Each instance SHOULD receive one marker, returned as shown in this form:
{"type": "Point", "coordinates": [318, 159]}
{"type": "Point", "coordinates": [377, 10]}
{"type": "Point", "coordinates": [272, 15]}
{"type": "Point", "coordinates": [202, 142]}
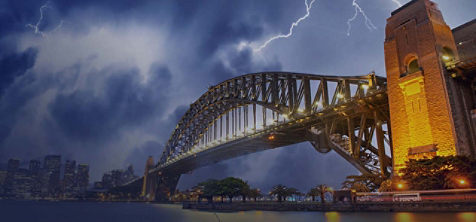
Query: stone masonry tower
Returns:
{"type": "Point", "coordinates": [417, 44]}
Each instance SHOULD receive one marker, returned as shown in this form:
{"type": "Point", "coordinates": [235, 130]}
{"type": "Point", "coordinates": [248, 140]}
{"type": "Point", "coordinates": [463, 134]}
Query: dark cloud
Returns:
{"type": "Point", "coordinates": [15, 65]}
{"type": "Point", "coordinates": [125, 102]}
{"type": "Point", "coordinates": [100, 90]}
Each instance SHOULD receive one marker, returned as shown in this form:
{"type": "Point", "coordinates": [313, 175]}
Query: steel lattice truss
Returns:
{"type": "Point", "coordinates": [345, 114]}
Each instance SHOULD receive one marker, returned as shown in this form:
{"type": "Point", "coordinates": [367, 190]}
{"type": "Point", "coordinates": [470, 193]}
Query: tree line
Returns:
{"type": "Point", "coordinates": [439, 172]}
{"type": "Point", "coordinates": [450, 172]}
{"type": "Point", "coordinates": [232, 187]}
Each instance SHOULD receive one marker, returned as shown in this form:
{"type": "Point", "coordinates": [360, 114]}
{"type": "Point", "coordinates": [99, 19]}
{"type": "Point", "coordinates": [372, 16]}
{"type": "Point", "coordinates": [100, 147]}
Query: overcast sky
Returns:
{"type": "Point", "coordinates": [105, 82]}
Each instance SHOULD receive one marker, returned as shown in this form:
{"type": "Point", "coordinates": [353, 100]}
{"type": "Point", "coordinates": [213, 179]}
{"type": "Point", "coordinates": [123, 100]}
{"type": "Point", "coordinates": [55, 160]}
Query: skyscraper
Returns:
{"type": "Point", "coordinates": [34, 170]}
{"type": "Point", "coordinates": [107, 181]}
{"type": "Point", "coordinates": [35, 166]}
{"type": "Point", "coordinates": [69, 179]}
{"type": "Point", "coordinates": [52, 165]}
{"type": "Point", "coordinates": [82, 178]}
{"type": "Point", "coordinates": [12, 168]}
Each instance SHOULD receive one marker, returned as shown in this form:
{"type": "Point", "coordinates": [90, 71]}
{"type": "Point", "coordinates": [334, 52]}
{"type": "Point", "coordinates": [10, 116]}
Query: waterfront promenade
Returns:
{"type": "Point", "coordinates": [454, 206]}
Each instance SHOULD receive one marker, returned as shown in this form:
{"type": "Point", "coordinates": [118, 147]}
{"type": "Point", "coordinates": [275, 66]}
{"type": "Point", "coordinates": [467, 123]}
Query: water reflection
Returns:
{"type": "Point", "coordinates": [466, 217]}
{"type": "Point", "coordinates": [127, 212]}
{"type": "Point", "coordinates": [404, 217]}
{"type": "Point", "coordinates": [332, 217]}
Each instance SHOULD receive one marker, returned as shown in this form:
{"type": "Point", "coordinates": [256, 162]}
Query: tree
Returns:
{"type": "Point", "coordinates": [232, 187]}
{"type": "Point", "coordinates": [254, 193]}
{"type": "Point", "coordinates": [210, 188]}
{"type": "Point", "coordinates": [313, 193]}
{"type": "Point", "coordinates": [440, 173]}
{"type": "Point", "coordinates": [320, 191]}
{"type": "Point", "coordinates": [282, 192]}
{"type": "Point", "coordinates": [370, 181]}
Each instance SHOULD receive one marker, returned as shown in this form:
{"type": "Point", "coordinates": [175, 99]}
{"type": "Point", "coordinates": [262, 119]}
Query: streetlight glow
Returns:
{"type": "Point", "coordinates": [400, 185]}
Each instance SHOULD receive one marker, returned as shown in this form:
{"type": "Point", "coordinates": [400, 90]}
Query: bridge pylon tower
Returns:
{"type": "Point", "coordinates": [425, 111]}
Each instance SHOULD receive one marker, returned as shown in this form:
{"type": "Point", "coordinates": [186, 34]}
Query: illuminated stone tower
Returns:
{"type": "Point", "coordinates": [422, 108]}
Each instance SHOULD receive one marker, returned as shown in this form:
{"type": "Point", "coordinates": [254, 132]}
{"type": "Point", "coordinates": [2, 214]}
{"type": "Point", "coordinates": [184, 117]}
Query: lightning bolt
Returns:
{"type": "Point", "coordinates": [36, 27]}
{"type": "Point", "coordinates": [358, 10]}
{"type": "Point", "coordinates": [290, 33]}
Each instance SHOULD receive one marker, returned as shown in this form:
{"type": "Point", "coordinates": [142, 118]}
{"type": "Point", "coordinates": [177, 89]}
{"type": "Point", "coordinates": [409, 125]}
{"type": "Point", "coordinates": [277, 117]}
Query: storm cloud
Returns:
{"type": "Point", "coordinates": [108, 81]}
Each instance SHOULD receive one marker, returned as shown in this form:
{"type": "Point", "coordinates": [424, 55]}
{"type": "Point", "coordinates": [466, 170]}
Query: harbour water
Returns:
{"type": "Point", "coordinates": [32, 211]}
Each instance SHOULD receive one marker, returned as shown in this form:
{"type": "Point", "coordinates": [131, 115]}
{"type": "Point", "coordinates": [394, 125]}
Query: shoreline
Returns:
{"type": "Point", "coordinates": [453, 206]}
{"type": "Point", "coordinates": [340, 207]}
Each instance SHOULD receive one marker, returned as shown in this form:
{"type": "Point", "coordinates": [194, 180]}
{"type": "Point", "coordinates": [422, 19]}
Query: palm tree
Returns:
{"type": "Point", "coordinates": [322, 190]}
{"type": "Point", "coordinates": [292, 191]}
{"type": "Point", "coordinates": [313, 193]}
{"type": "Point", "coordinates": [280, 191]}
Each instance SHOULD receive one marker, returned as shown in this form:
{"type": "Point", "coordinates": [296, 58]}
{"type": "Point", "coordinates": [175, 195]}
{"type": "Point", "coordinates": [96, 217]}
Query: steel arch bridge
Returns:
{"type": "Point", "coordinates": [255, 112]}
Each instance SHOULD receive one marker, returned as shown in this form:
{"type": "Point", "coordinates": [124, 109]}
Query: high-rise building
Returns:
{"type": "Point", "coordinates": [35, 168]}
{"type": "Point", "coordinates": [3, 176]}
{"type": "Point", "coordinates": [107, 182]}
{"type": "Point", "coordinates": [52, 165]}
{"type": "Point", "coordinates": [22, 184]}
{"type": "Point", "coordinates": [69, 178]}
{"type": "Point", "coordinates": [128, 175]}
{"type": "Point", "coordinates": [12, 168]}
{"type": "Point", "coordinates": [83, 177]}
{"type": "Point", "coordinates": [117, 177]}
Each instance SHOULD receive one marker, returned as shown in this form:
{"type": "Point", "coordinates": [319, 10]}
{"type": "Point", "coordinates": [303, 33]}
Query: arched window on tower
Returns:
{"type": "Point", "coordinates": [413, 66]}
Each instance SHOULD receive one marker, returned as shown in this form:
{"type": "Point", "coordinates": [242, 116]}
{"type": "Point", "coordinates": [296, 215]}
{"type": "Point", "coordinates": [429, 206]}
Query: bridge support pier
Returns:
{"type": "Point", "coordinates": [167, 183]}
{"type": "Point", "coordinates": [159, 186]}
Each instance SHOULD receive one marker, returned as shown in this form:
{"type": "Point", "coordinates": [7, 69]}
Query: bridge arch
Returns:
{"type": "Point", "coordinates": [341, 113]}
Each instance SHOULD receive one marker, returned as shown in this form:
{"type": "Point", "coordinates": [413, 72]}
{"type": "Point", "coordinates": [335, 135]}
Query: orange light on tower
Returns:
{"type": "Point", "coordinates": [271, 137]}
